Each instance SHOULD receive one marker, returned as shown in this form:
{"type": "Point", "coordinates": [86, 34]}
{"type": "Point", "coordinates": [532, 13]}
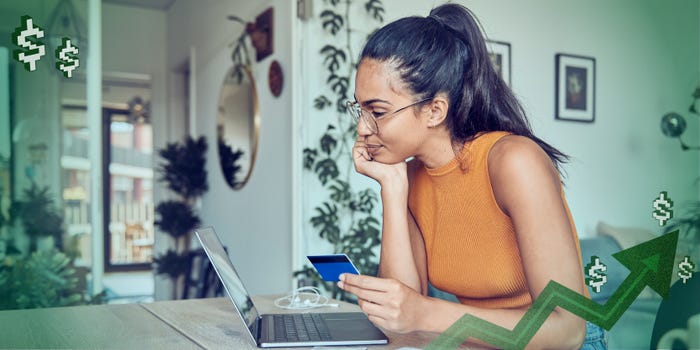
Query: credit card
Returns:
{"type": "Point", "coordinates": [331, 266]}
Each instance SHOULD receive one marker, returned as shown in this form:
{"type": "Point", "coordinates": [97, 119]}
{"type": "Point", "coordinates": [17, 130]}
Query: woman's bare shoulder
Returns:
{"type": "Point", "coordinates": [519, 152]}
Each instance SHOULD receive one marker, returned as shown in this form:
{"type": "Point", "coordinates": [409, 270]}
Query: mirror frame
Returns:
{"type": "Point", "coordinates": [256, 125]}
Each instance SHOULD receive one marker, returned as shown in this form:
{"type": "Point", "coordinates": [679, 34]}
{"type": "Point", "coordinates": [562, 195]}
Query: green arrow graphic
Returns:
{"type": "Point", "coordinates": [650, 263]}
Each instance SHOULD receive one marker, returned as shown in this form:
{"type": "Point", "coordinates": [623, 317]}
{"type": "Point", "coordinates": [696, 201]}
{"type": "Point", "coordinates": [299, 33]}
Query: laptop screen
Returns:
{"type": "Point", "coordinates": [232, 283]}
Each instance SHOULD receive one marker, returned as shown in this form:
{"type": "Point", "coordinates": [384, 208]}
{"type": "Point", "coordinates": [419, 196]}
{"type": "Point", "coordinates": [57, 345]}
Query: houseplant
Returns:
{"type": "Point", "coordinates": [345, 218]}
{"type": "Point", "coordinates": [184, 171]}
{"type": "Point", "coordinates": [39, 277]}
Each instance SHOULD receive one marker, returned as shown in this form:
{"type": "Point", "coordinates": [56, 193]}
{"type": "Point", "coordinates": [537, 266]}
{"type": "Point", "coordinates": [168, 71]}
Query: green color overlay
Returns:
{"type": "Point", "coordinates": [650, 263]}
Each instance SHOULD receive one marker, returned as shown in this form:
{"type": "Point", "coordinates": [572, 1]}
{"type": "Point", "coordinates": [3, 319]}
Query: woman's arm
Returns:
{"type": "Point", "coordinates": [527, 188]}
{"type": "Point", "coordinates": [402, 250]}
{"type": "Point", "coordinates": [402, 254]}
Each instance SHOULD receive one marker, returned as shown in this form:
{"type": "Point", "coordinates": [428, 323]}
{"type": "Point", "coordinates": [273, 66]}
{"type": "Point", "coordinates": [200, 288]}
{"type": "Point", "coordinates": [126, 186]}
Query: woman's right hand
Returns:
{"type": "Point", "coordinates": [384, 174]}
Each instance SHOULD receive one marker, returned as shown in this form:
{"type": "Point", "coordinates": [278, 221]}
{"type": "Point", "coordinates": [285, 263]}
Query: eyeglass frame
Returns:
{"type": "Point", "coordinates": [355, 110]}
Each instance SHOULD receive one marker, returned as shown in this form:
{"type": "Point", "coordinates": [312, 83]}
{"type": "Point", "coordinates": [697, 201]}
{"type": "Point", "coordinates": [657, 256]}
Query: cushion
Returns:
{"type": "Point", "coordinates": [603, 247]}
{"type": "Point", "coordinates": [628, 237]}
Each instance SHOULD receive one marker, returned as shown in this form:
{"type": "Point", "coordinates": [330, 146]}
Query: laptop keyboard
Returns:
{"type": "Point", "coordinates": [300, 327]}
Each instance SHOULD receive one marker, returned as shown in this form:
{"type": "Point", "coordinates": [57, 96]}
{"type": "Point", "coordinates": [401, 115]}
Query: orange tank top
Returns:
{"type": "Point", "coordinates": [470, 243]}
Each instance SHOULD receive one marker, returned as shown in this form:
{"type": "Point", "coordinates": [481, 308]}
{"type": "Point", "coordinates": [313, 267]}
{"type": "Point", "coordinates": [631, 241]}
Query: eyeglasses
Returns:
{"type": "Point", "coordinates": [358, 113]}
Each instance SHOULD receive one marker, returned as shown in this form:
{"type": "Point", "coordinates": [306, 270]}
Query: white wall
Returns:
{"type": "Point", "coordinates": [255, 223]}
{"type": "Point", "coordinates": [646, 65]}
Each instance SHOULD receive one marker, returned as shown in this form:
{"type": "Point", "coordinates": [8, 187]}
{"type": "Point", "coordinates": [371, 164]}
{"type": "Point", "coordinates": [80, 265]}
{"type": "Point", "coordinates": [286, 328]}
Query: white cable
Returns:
{"type": "Point", "coordinates": [304, 298]}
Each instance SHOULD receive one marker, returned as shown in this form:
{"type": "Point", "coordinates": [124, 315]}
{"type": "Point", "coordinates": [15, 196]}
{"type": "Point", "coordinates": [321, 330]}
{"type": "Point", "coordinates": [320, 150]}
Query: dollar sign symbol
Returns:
{"type": "Point", "coordinates": [685, 269]}
{"type": "Point", "coordinates": [67, 58]}
{"type": "Point", "coordinates": [662, 208]}
{"type": "Point", "coordinates": [595, 270]}
{"type": "Point", "coordinates": [24, 36]}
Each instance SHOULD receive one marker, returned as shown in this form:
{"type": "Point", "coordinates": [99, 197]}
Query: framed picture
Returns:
{"type": "Point", "coordinates": [575, 88]}
{"type": "Point", "coordinates": [500, 58]}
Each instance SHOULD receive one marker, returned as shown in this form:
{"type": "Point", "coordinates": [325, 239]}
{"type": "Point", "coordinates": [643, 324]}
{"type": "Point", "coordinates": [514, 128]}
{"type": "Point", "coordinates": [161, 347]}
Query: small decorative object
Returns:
{"type": "Point", "coordinates": [673, 124]}
{"type": "Point", "coordinates": [275, 78]}
{"type": "Point", "coordinates": [575, 88]}
{"type": "Point", "coordinates": [499, 52]}
{"type": "Point", "coordinates": [261, 34]}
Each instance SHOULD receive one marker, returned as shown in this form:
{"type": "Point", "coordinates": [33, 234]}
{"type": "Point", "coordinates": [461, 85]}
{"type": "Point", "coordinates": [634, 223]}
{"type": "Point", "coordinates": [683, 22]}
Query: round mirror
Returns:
{"type": "Point", "coordinates": [237, 125]}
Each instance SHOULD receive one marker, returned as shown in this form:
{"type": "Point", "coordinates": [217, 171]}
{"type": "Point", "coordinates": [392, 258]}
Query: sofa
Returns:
{"type": "Point", "coordinates": [633, 330]}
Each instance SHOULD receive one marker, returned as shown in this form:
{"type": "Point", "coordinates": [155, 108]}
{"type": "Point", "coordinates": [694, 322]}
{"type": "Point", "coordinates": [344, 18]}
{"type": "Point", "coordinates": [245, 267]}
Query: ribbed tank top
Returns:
{"type": "Point", "coordinates": [470, 243]}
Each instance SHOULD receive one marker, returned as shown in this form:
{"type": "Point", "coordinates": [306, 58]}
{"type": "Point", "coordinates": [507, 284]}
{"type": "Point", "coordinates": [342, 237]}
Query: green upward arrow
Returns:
{"type": "Point", "coordinates": [650, 263]}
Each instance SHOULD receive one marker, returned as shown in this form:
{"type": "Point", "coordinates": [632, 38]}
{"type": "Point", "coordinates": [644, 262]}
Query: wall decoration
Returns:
{"type": "Point", "coordinates": [261, 34]}
{"type": "Point", "coordinates": [499, 52]}
{"type": "Point", "coordinates": [275, 78]}
{"type": "Point", "coordinates": [575, 88]}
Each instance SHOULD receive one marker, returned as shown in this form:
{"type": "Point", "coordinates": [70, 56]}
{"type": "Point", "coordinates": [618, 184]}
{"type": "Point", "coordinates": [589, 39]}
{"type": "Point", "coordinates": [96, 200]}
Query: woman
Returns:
{"type": "Point", "coordinates": [480, 208]}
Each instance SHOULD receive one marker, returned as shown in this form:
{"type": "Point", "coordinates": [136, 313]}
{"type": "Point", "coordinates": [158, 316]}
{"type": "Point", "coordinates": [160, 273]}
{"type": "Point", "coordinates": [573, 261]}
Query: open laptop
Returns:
{"type": "Point", "coordinates": [285, 330]}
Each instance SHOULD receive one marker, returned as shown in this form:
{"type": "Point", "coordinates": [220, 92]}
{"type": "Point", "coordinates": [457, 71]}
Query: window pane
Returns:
{"type": "Point", "coordinates": [131, 189]}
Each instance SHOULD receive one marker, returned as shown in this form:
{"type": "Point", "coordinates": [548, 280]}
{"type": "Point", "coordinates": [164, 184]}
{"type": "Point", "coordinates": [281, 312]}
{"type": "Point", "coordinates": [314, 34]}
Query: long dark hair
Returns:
{"type": "Point", "coordinates": [446, 52]}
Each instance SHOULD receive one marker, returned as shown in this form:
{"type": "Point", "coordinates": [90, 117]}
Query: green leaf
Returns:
{"type": "Point", "coordinates": [176, 218]}
{"type": "Point", "coordinates": [340, 104]}
{"type": "Point", "coordinates": [184, 167]}
{"type": "Point", "coordinates": [332, 2]}
{"type": "Point", "coordinates": [309, 158]}
{"type": "Point", "coordinates": [340, 191]}
{"type": "Point", "coordinates": [326, 169]}
{"type": "Point", "coordinates": [338, 84]}
{"type": "Point", "coordinates": [327, 221]}
{"type": "Point", "coordinates": [334, 57]}
{"type": "Point", "coordinates": [369, 229]}
{"type": "Point", "coordinates": [42, 279]}
{"type": "Point", "coordinates": [172, 264]}
{"type": "Point", "coordinates": [328, 143]}
{"type": "Point", "coordinates": [322, 102]}
{"type": "Point", "coordinates": [331, 21]}
{"type": "Point", "coordinates": [366, 201]}
{"type": "Point", "coordinates": [375, 9]}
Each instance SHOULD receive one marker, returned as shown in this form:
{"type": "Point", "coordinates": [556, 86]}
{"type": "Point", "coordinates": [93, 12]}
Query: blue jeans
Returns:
{"type": "Point", "coordinates": [596, 338]}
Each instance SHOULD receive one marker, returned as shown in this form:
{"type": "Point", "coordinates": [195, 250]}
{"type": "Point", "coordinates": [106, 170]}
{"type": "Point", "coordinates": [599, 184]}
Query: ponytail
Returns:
{"type": "Point", "coordinates": [446, 53]}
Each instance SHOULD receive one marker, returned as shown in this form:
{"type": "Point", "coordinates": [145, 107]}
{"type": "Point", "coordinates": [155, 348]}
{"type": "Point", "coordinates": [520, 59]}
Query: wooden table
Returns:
{"type": "Point", "coordinates": [182, 324]}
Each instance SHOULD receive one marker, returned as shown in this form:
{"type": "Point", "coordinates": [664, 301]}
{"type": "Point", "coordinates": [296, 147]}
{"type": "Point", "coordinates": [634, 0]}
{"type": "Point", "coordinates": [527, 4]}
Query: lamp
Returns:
{"type": "Point", "coordinates": [673, 124]}
{"type": "Point", "coordinates": [139, 110]}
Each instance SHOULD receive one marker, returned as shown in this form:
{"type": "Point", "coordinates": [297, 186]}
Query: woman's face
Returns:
{"type": "Point", "coordinates": [380, 91]}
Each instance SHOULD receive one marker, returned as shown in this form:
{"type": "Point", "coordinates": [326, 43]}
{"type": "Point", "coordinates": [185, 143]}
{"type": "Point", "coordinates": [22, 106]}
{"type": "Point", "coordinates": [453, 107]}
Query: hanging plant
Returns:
{"type": "Point", "coordinates": [345, 218]}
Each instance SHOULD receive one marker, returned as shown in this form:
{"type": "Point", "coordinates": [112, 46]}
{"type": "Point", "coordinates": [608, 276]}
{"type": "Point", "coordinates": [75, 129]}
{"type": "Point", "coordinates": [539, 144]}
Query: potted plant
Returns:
{"type": "Point", "coordinates": [184, 171]}
{"type": "Point", "coordinates": [42, 277]}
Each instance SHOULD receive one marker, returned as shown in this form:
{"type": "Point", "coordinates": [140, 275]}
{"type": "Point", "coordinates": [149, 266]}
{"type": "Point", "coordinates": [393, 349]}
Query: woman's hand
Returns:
{"type": "Point", "coordinates": [382, 173]}
{"type": "Point", "coordinates": [387, 302]}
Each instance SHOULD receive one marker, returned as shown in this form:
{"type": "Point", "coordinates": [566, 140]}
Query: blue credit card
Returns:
{"type": "Point", "coordinates": [331, 266]}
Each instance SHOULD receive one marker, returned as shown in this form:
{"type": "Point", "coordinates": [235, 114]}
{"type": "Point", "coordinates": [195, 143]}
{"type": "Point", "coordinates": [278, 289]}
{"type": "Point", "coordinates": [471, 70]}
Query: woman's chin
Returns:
{"type": "Point", "coordinates": [386, 158]}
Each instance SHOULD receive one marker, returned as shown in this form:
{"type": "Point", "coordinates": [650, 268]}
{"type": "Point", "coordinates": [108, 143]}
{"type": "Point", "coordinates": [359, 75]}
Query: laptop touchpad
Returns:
{"type": "Point", "coordinates": [350, 326]}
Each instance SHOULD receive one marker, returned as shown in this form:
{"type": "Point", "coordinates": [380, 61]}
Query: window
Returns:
{"type": "Point", "coordinates": [127, 176]}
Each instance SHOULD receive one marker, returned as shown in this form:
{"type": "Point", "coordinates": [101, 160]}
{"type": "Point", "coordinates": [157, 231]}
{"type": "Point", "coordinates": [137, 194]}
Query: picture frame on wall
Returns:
{"type": "Point", "coordinates": [575, 88]}
{"type": "Point", "coordinates": [499, 52]}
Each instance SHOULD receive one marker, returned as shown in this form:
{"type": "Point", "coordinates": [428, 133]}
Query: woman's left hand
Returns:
{"type": "Point", "coordinates": [387, 302]}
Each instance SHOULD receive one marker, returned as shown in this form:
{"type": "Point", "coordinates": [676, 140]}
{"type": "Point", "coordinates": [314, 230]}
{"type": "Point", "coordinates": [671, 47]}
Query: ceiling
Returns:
{"type": "Point", "coordinates": [163, 5]}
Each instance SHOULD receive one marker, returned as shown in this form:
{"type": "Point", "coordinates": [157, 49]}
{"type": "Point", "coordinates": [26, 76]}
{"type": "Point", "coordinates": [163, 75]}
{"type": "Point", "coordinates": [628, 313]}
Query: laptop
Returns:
{"type": "Point", "coordinates": [289, 329]}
